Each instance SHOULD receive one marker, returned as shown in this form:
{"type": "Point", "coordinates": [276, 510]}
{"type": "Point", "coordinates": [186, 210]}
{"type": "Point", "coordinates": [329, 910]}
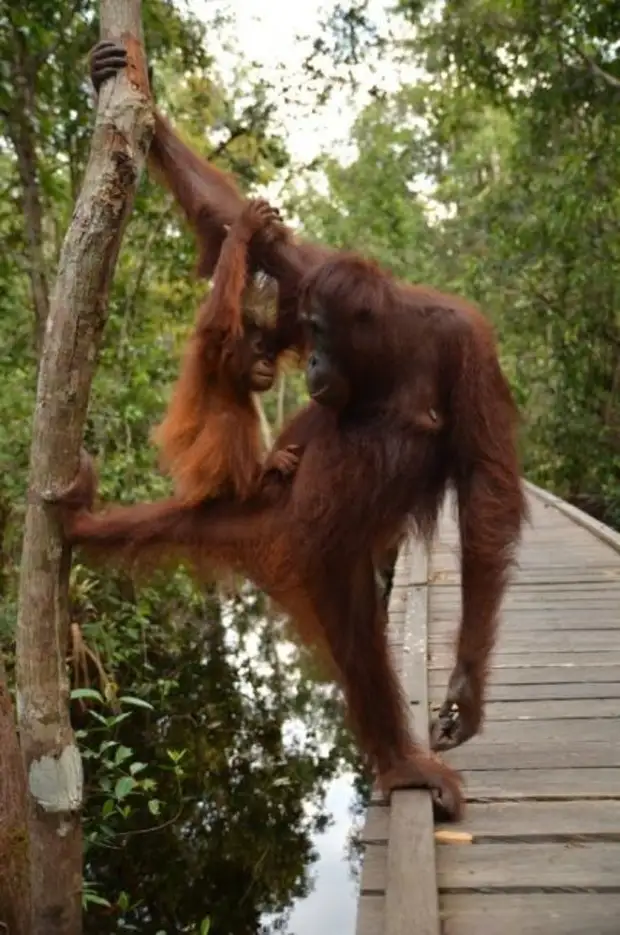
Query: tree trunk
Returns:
{"type": "Point", "coordinates": [78, 310]}
{"type": "Point", "coordinates": [14, 881]}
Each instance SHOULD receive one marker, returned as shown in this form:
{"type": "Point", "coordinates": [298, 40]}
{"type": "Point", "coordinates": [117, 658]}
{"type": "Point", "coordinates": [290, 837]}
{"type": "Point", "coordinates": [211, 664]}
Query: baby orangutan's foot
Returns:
{"type": "Point", "coordinates": [419, 771]}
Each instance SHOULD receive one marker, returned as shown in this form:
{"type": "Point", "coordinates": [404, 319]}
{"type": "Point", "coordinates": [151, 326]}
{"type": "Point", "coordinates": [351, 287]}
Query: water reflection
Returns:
{"type": "Point", "coordinates": [331, 906]}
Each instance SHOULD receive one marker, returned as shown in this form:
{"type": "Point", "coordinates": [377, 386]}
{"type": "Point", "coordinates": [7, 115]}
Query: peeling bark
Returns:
{"type": "Point", "coordinates": [78, 311]}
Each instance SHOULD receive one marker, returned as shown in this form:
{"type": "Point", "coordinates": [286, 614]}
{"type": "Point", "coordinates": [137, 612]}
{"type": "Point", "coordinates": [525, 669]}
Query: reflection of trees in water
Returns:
{"type": "Point", "coordinates": [263, 736]}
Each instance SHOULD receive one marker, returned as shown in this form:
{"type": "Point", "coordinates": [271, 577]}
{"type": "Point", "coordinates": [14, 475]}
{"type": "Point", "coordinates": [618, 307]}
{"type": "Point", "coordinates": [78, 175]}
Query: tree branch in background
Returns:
{"type": "Point", "coordinates": [596, 69]}
{"type": "Point", "coordinates": [221, 148]}
{"type": "Point", "coordinates": [281, 398]}
{"type": "Point", "coordinates": [265, 428]}
{"type": "Point", "coordinates": [78, 311]}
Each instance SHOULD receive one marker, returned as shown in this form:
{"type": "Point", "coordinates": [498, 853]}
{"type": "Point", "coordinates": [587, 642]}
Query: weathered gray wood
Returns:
{"type": "Point", "coordinates": [557, 576]}
{"type": "Point", "coordinates": [573, 710]}
{"type": "Point", "coordinates": [370, 914]}
{"type": "Point", "coordinates": [530, 914]}
{"type": "Point", "coordinates": [560, 732]}
{"type": "Point", "coordinates": [586, 783]}
{"type": "Point", "coordinates": [590, 866]}
{"type": "Point", "coordinates": [505, 867]}
{"type": "Point", "coordinates": [602, 590]}
{"type": "Point", "coordinates": [570, 618]}
{"type": "Point", "coordinates": [444, 660]}
{"type": "Point", "coordinates": [411, 892]}
{"type": "Point", "coordinates": [549, 701]}
{"type": "Point", "coordinates": [544, 675]}
{"type": "Point", "coordinates": [598, 529]}
{"type": "Point", "coordinates": [534, 755]}
{"type": "Point", "coordinates": [523, 821]}
{"type": "Point", "coordinates": [532, 820]}
{"type": "Point", "coordinates": [515, 643]}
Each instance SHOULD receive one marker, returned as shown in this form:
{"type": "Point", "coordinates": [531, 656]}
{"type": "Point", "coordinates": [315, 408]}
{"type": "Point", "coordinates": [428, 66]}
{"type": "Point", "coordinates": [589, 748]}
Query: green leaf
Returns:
{"type": "Point", "coordinates": [136, 702]}
{"type": "Point", "coordinates": [123, 787]}
{"type": "Point", "coordinates": [91, 693]}
{"type": "Point", "coordinates": [90, 897]}
{"type": "Point", "coordinates": [122, 754]}
{"type": "Point", "coordinates": [108, 807]}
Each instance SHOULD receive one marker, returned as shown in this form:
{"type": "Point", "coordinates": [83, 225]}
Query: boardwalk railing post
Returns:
{"type": "Point", "coordinates": [399, 884]}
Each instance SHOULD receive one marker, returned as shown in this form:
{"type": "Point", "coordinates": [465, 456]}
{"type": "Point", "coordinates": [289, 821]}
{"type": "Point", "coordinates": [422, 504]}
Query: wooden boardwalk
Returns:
{"type": "Point", "coordinates": [543, 780]}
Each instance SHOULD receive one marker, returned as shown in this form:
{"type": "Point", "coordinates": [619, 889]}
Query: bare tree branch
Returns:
{"type": "Point", "coordinates": [605, 76]}
{"type": "Point", "coordinates": [265, 428]}
{"type": "Point", "coordinates": [281, 397]}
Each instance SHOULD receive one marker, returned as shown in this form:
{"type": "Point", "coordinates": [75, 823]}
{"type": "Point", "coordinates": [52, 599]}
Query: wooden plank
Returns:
{"type": "Point", "coordinates": [573, 514]}
{"type": "Point", "coordinates": [530, 914]}
{"type": "Point", "coordinates": [366, 911]}
{"type": "Point", "coordinates": [573, 699]}
{"type": "Point", "coordinates": [523, 821]}
{"type": "Point", "coordinates": [555, 733]}
{"type": "Point", "coordinates": [518, 643]}
{"type": "Point", "coordinates": [561, 673]}
{"type": "Point", "coordinates": [443, 660]}
{"type": "Point", "coordinates": [587, 783]}
{"type": "Point", "coordinates": [543, 779]}
{"type": "Point", "coordinates": [411, 883]}
{"type": "Point", "coordinates": [534, 820]}
{"type": "Point", "coordinates": [535, 623]}
{"type": "Point", "coordinates": [505, 867]}
{"type": "Point", "coordinates": [525, 755]}
{"type": "Point", "coordinates": [374, 878]}
{"type": "Point", "coordinates": [502, 866]}
{"type": "Point", "coordinates": [568, 574]}
{"type": "Point", "coordinates": [370, 914]}
{"type": "Point", "coordinates": [523, 595]}
{"type": "Point", "coordinates": [602, 592]}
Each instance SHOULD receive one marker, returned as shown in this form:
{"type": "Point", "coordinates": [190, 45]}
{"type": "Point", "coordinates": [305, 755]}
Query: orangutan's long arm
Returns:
{"type": "Point", "coordinates": [211, 202]}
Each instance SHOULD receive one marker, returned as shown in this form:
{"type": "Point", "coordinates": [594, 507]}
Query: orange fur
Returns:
{"type": "Point", "coordinates": [210, 438]}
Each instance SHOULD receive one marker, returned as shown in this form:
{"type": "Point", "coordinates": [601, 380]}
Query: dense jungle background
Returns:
{"type": "Point", "coordinates": [489, 165]}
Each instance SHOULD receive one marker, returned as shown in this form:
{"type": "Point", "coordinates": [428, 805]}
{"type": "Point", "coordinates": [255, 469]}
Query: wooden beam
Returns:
{"type": "Point", "coordinates": [411, 903]}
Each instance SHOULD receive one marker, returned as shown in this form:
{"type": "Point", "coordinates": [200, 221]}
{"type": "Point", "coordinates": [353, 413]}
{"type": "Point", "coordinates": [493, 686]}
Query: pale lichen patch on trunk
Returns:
{"type": "Point", "coordinates": [56, 782]}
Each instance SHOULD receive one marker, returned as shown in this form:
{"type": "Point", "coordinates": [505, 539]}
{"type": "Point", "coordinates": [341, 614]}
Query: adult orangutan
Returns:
{"type": "Point", "coordinates": [210, 437]}
{"type": "Point", "coordinates": [382, 351]}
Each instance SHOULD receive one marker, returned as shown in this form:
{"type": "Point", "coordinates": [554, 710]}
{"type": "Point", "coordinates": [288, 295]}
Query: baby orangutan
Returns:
{"type": "Point", "coordinates": [210, 438]}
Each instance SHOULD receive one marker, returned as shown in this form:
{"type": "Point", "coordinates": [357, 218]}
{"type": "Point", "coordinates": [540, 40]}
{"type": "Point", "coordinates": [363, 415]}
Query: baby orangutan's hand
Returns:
{"type": "Point", "coordinates": [284, 461]}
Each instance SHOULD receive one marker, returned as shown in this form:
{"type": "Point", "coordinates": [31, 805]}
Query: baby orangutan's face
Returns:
{"type": "Point", "coordinates": [262, 375]}
{"type": "Point", "coordinates": [260, 360]}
